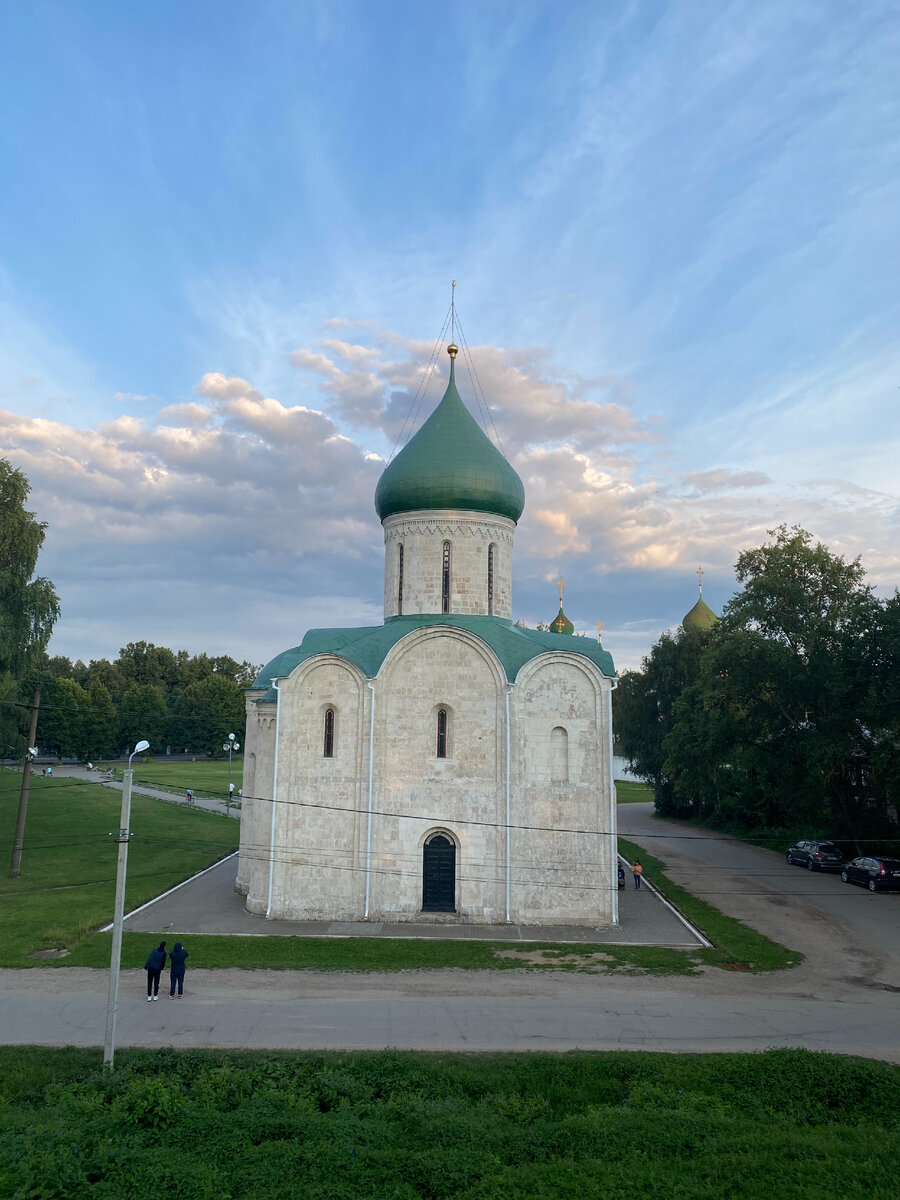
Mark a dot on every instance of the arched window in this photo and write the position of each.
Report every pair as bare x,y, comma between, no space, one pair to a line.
442,733
490,580
400,581
559,755
445,579
328,750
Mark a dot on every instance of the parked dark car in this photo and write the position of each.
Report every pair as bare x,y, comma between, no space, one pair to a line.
877,874
816,856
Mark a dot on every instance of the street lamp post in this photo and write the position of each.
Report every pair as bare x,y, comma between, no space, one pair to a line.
115,961
231,745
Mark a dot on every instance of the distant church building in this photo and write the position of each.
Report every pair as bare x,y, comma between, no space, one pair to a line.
446,765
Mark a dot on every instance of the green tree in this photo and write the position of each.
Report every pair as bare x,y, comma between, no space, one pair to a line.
208,711
63,715
143,714
644,710
780,726
29,606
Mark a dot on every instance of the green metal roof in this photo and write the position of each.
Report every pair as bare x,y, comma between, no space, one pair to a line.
701,616
368,647
450,463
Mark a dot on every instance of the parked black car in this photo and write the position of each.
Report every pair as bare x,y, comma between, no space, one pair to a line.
877,874
816,856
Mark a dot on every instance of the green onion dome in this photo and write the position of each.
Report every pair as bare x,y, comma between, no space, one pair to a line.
561,623
700,617
450,463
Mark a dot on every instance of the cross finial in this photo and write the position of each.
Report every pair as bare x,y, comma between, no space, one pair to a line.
600,632
452,310
700,579
561,584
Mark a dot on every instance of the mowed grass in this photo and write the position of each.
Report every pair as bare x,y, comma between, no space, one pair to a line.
66,888
735,946
411,1126
630,792
207,778
367,954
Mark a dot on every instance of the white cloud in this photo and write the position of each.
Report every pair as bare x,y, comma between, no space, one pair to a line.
238,496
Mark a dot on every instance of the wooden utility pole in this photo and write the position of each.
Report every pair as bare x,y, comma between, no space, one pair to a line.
15,865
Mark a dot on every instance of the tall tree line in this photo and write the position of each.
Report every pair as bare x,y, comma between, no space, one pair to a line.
175,700
785,715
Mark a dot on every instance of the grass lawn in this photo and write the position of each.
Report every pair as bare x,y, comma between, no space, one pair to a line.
410,1126
67,885
629,792
206,777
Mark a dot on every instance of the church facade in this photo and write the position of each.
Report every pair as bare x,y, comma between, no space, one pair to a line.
446,765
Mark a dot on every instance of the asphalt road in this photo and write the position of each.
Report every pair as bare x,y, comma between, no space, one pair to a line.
448,1010
724,870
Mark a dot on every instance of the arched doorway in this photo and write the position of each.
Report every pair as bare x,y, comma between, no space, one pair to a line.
439,874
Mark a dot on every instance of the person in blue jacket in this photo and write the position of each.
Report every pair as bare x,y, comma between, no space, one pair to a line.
176,970
156,960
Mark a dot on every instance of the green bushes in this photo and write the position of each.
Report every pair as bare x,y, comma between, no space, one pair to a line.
404,1125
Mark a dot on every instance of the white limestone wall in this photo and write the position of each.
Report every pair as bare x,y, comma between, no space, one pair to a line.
256,807
460,795
317,874
561,781
422,535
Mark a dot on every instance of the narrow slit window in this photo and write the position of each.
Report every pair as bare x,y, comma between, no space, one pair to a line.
490,580
445,579
328,749
400,581
559,755
442,733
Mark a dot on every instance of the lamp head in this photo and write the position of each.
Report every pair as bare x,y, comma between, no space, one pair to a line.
142,745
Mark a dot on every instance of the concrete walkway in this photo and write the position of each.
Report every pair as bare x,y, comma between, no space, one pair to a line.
208,904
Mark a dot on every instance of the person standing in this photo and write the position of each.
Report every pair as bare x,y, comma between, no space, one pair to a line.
637,871
621,876
156,960
176,970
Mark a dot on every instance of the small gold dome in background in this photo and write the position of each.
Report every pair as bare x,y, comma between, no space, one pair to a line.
452,350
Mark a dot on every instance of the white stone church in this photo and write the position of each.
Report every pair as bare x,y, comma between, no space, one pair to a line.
446,765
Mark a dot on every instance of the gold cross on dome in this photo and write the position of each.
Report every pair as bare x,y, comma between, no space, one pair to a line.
700,579
561,584
600,631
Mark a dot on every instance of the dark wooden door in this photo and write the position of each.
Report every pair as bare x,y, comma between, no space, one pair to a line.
439,875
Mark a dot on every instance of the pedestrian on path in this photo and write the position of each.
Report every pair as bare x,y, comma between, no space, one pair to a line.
637,871
176,970
156,960
621,876
230,790
190,795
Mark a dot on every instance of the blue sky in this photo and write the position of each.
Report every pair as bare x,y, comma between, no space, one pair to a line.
227,233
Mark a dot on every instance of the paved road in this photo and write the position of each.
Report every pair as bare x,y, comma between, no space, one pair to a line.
725,871
447,1010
